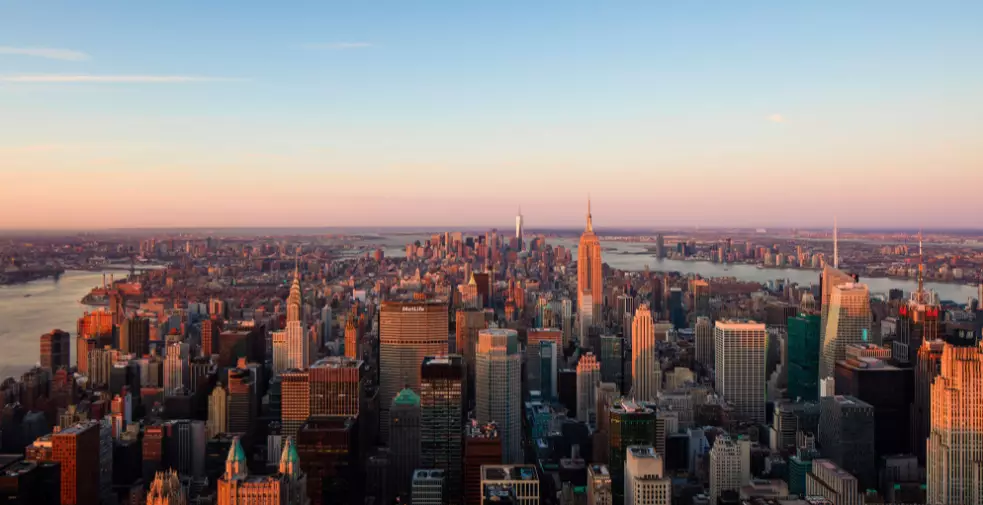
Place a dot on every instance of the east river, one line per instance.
(55, 304)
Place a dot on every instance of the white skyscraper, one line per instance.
(518, 228)
(645, 479)
(498, 390)
(588, 375)
(176, 368)
(955, 444)
(646, 375)
(730, 465)
(848, 322)
(739, 348)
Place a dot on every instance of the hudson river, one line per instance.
(54, 304)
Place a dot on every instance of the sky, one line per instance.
(368, 113)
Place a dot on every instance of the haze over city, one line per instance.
(491, 253)
(407, 114)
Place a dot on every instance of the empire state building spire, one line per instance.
(590, 223)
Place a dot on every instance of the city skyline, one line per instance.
(281, 117)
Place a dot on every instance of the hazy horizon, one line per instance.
(749, 114)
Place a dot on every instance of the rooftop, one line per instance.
(337, 362)
(508, 472)
(642, 451)
(428, 474)
(600, 470)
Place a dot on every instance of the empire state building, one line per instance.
(589, 285)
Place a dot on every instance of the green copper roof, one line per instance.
(289, 453)
(236, 453)
(407, 397)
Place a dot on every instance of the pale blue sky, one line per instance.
(226, 113)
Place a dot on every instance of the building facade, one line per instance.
(740, 348)
(499, 388)
(646, 374)
(955, 443)
(408, 333)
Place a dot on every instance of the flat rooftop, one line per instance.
(509, 472)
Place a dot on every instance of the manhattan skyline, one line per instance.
(248, 115)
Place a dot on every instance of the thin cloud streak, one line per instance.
(340, 45)
(49, 53)
(112, 79)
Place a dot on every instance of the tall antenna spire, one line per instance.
(590, 224)
(920, 297)
(836, 246)
(297, 263)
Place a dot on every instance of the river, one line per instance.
(55, 304)
(633, 256)
(51, 305)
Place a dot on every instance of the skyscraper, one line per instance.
(177, 370)
(442, 397)
(516, 484)
(929, 364)
(404, 443)
(703, 335)
(599, 485)
(76, 450)
(646, 375)
(887, 388)
(336, 387)
(829, 278)
(833, 483)
(237, 486)
(408, 332)
(499, 388)
(242, 401)
(847, 435)
(534, 337)
(166, 489)
(589, 273)
(56, 350)
(628, 424)
(428, 487)
(739, 347)
(701, 297)
(298, 345)
(518, 228)
(730, 465)
(295, 400)
(612, 359)
(467, 324)
(218, 404)
(281, 360)
(351, 339)
(954, 465)
(134, 336)
(588, 375)
(645, 479)
(803, 357)
(482, 446)
(847, 322)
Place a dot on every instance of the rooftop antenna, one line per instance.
(836, 246)
(921, 268)
(590, 225)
